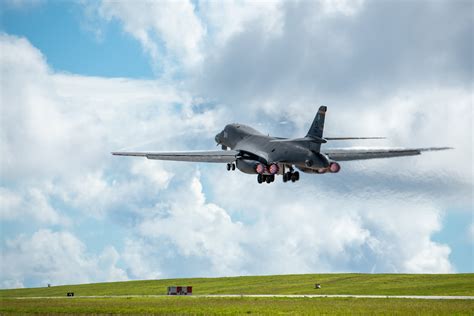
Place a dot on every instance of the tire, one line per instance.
(259, 178)
(293, 177)
(228, 166)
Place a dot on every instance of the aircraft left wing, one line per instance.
(224, 156)
(347, 154)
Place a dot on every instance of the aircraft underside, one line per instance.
(267, 173)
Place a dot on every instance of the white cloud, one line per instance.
(432, 259)
(199, 228)
(158, 177)
(287, 232)
(33, 205)
(55, 258)
(141, 260)
(166, 29)
(58, 130)
(230, 18)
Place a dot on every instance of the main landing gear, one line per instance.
(291, 176)
(287, 176)
(230, 166)
(268, 178)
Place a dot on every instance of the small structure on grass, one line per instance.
(70, 293)
(317, 286)
(180, 290)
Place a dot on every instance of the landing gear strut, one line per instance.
(292, 176)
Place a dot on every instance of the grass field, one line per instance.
(376, 284)
(216, 306)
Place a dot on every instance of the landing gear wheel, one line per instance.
(285, 177)
(293, 177)
(233, 167)
(268, 179)
(228, 166)
(297, 176)
(259, 178)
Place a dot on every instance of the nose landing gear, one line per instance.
(230, 166)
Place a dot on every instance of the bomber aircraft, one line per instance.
(252, 152)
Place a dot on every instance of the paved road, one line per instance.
(419, 297)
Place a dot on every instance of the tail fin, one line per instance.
(316, 129)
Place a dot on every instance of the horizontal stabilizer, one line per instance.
(349, 138)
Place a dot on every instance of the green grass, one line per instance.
(219, 306)
(377, 284)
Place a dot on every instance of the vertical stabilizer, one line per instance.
(316, 129)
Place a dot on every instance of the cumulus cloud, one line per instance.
(34, 204)
(272, 231)
(168, 30)
(55, 258)
(339, 57)
(228, 19)
(58, 130)
(198, 228)
(316, 226)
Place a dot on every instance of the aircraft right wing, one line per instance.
(223, 156)
(347, 154)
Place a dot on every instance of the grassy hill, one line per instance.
(377, 284)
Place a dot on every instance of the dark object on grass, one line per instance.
(317, 286)
(70, 293)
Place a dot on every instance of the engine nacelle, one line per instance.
(320, 164)
(317, 161)
(247, 165)
(256, 167)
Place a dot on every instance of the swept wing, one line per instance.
(224, 156)
(347, 154)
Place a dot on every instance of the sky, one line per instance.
(80, 79)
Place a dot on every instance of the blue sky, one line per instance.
(59, 31)
(79, 80)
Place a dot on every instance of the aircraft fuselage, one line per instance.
(267, 149)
